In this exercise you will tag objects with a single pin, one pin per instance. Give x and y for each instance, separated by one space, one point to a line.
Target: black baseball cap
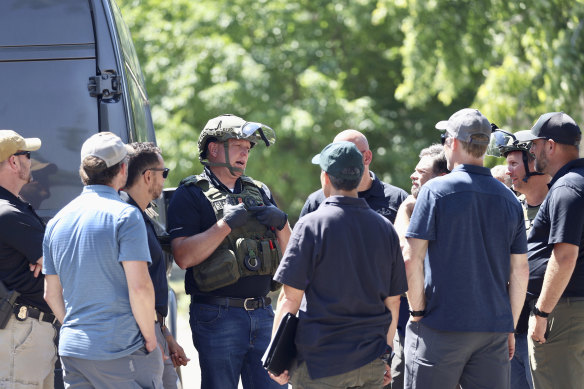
553 125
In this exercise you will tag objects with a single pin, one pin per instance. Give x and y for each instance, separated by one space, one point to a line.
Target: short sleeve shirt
383 198
21 244
191 213
560 220
347 259
85 245
473 224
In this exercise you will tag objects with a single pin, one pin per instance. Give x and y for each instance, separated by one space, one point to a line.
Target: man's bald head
355 137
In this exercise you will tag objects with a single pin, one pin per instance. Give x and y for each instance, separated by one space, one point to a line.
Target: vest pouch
217 271
272 254
249 257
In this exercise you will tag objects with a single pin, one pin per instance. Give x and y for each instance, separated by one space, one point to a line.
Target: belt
249 304
22 312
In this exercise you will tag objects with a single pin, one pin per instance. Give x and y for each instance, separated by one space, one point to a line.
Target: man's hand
150 344
177 353
234 215
537 328
511 343
282 379
36 267
269 215
387 375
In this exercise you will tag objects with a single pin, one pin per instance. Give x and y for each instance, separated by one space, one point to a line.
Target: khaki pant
369 376
27 354
559 362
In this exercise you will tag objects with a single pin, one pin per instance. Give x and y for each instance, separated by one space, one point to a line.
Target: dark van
68 69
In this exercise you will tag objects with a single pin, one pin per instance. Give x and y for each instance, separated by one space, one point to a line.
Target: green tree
309 69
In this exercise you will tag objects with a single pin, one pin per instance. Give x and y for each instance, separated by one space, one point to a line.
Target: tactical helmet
503 142
228 126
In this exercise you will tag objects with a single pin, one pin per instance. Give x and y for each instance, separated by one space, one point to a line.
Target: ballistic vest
249 250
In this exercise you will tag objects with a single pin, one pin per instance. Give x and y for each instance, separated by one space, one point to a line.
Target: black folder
282 350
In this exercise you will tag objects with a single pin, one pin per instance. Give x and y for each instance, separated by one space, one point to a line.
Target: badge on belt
22 313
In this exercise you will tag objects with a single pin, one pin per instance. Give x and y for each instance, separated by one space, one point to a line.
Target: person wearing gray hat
467 268
97 281
25 317
345 260
556 256
228 233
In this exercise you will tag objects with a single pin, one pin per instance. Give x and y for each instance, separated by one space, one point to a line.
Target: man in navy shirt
345 259
383 198
467 268
228 233
146 176
556 256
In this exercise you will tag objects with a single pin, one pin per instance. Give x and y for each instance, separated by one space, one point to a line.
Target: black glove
234 215
269 215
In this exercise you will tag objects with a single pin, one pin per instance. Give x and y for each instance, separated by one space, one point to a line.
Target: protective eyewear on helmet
502 142
259 130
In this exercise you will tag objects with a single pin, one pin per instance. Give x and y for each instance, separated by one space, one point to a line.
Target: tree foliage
310 69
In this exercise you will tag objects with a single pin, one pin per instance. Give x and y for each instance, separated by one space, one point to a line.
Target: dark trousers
442 359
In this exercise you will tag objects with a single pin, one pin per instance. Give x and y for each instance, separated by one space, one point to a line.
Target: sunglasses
443 138
157 169
27 153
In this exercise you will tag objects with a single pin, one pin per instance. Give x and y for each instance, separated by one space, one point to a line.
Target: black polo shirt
560 220
157 268
347 260
191 213
383 198
21 244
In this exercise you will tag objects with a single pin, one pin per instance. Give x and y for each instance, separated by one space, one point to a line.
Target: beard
155 192
25 176
541 162
415 190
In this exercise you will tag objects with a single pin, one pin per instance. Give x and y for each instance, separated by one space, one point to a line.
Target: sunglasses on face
443 138
27 153
157 169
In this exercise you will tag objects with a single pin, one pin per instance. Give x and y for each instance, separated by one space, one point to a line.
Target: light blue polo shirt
85 244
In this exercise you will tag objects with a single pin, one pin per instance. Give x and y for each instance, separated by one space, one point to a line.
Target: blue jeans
231 342
520 371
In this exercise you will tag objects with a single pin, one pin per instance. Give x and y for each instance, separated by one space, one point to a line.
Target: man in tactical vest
228 233
533 188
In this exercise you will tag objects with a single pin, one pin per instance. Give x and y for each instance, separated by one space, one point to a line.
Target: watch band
539 313
418 313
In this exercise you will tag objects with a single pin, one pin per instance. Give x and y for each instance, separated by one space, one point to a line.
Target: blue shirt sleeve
295 269
566 208
184 215
423 220
132 237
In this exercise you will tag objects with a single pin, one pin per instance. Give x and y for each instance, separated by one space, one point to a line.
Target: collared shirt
191 213
157 269
347 260
383 198
560 220
21 244
86 244
473 224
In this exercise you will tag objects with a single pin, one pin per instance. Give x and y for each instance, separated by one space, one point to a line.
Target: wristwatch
539 313
418 313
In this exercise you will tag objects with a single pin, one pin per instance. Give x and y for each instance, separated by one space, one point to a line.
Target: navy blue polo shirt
473 224
560 220
157 268
347 259
21 244
191 213
383 198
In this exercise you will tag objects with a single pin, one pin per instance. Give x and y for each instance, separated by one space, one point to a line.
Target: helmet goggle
503 142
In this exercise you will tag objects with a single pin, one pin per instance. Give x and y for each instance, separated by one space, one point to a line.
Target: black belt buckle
250 300
21 312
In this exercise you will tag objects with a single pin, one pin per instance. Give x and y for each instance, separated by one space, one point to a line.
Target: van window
140 119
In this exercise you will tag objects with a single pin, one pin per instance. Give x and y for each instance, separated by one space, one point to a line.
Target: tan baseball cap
11 142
